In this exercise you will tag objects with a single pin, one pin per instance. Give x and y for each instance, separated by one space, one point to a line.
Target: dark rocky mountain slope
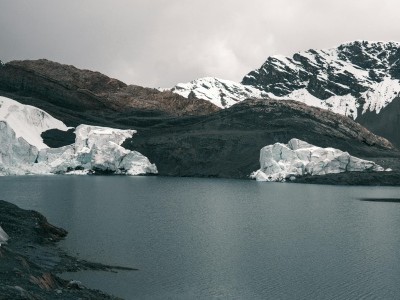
71 94
185 137
227 143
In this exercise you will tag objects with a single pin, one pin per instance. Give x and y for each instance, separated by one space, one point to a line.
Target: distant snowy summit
222 93
350 79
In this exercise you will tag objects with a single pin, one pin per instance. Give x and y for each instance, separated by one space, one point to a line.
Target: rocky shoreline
31 259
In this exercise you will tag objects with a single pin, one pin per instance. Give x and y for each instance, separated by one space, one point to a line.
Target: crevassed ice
95 148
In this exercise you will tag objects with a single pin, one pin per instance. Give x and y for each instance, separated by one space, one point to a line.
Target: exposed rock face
280 162
71 94
386 123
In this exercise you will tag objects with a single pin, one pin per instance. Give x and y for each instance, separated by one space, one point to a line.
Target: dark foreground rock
31 259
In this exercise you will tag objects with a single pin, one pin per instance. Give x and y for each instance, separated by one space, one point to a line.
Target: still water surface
222 239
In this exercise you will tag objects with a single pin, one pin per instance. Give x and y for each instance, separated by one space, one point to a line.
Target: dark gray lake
223 239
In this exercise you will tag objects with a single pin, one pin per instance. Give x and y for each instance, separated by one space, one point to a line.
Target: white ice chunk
279 162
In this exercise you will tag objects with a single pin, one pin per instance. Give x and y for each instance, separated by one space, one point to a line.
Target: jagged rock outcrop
351 79
279 162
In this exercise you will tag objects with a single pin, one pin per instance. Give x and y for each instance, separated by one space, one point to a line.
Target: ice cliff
279 162
96 149
28 121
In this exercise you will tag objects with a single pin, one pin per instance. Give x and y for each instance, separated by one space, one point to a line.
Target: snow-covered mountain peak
350 79
28 121
365 75
328 72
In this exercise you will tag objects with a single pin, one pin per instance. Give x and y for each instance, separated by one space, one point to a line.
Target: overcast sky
158 43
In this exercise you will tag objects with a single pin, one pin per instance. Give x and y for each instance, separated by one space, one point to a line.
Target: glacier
280 162
96 149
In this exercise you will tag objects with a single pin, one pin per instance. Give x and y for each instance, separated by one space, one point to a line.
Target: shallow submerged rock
279 162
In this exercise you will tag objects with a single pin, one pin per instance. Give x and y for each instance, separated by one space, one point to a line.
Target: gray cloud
163 42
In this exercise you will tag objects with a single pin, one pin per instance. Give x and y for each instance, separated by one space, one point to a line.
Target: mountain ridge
51 86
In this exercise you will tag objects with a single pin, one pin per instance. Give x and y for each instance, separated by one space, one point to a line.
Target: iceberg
279 162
